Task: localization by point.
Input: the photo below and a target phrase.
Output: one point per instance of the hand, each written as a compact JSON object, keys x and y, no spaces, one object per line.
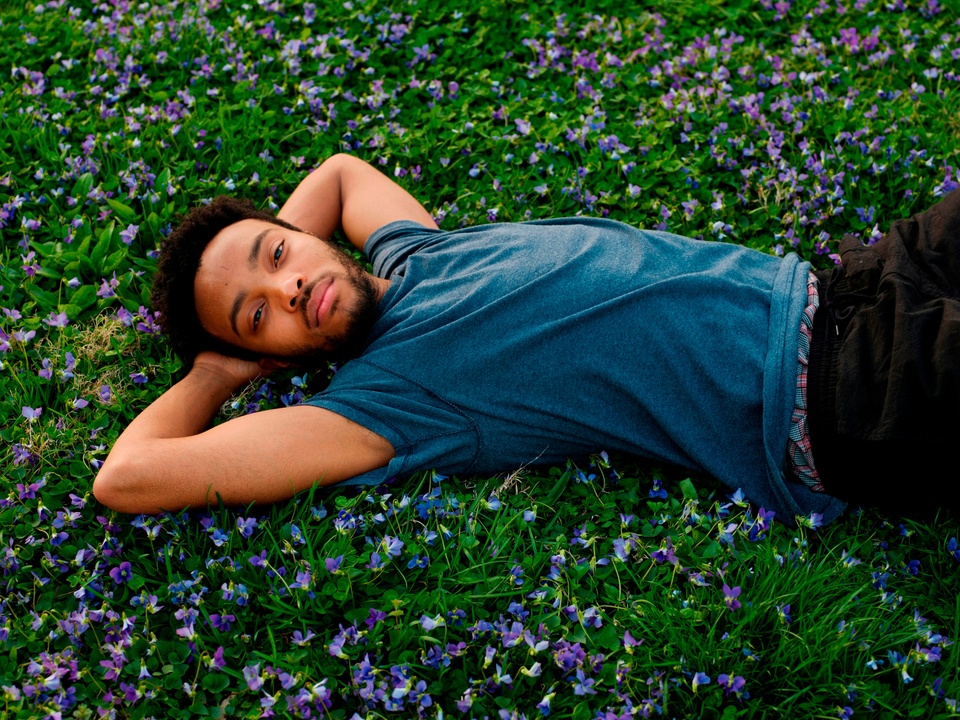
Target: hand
{"x":233,"y":372}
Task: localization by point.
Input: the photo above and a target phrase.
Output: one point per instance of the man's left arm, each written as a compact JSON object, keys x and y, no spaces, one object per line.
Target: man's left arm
{"x":348,"y":194}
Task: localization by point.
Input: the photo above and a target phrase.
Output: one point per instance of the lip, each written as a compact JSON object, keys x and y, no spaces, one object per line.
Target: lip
{"x":320,"y":303}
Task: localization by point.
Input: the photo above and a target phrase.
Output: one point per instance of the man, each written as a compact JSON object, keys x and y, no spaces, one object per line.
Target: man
{"x":488,"y":348}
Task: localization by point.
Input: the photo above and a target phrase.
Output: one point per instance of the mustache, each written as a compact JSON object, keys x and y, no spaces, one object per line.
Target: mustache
{"x":305,"y":298}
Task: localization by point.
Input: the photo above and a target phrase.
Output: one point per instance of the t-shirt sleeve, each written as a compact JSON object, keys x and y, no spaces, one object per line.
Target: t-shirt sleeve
{"x":389,"y":247}
{"x":425,"y":430}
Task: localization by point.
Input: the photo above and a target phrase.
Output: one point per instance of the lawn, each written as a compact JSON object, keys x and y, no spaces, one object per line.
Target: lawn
{"x":607,"y":587}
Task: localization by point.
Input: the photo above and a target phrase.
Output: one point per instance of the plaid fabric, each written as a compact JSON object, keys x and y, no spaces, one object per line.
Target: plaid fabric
{"x":798,"y":445}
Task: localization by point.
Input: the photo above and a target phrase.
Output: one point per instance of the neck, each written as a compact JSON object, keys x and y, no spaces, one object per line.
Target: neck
{"x":381,"y":285}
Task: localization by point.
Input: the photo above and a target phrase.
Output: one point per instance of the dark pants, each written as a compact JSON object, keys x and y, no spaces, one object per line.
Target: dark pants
{"x":884,"y":383}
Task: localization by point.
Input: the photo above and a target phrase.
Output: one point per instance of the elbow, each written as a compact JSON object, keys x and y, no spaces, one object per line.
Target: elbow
{"x":116,"y":486}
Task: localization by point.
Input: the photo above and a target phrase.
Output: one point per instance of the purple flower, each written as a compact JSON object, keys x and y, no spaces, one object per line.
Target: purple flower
{"x":130,"y":693}
{"x":621,"y":549}
{"x":57,"y":319}
{"x":333,"y":564}
{"x":222,"y":622}
{"x":246,"y":526}
{"x":393,"y":546}
{"x":129,"y":234}
{"x":665,"y":554}
{"x":429,"y":623}
{"x":30,"y":413}
{"x":583,"y":685}
{"x":303,"y":580}
{"x":253,"y":677}
{"x":122,"y":574}
{"x":375,"y":617}
{"x":730,"y":596}
{"x":732,"y":684}
{"x":300,"y":639}
{"x":139,"y":378}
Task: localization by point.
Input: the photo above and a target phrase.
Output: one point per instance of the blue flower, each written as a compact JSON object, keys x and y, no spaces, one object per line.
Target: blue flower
{"x":700,"y":679}
{"x":954,"y":549}
{"x":784,"y":612}
{"x":657,"y":490}
{"x":583,"y":684}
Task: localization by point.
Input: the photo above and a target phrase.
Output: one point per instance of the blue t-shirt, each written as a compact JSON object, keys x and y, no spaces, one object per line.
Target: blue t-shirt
{"x":505,"y":345}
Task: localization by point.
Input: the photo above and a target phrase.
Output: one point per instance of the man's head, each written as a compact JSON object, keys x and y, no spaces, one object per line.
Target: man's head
{"x":240,"y":281}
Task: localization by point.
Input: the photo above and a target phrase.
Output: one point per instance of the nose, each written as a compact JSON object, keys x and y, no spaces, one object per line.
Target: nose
{"x":290,"y":288}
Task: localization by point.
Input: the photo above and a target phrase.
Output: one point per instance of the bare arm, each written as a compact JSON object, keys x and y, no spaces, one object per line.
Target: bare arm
{"x":167,"y":459}
{"x":346,"y":193}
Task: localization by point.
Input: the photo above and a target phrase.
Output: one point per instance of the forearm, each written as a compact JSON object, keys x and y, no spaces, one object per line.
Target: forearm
{"x":186,"y":409}
{"x":346,"y":193}
{"x":315,"y":205}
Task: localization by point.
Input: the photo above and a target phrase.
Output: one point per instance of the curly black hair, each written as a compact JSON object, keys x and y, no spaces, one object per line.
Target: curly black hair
{"x":172,"y":292}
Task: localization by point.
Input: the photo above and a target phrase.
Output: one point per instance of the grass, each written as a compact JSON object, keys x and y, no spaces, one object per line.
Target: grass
{"x":596,"y":589}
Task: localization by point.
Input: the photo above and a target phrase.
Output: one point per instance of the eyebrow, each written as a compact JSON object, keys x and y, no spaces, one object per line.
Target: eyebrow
{"x":255,"y":248}
{"x":252,"y":264}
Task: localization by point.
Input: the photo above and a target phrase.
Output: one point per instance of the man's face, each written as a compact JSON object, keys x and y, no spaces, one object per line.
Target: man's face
{"x":284,"y":294}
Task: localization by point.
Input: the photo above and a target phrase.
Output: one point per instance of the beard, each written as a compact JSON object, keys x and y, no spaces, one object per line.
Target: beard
{"x":361,"y":316}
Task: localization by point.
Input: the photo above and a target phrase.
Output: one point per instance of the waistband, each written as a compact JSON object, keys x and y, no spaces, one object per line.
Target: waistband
{"x":837,"y":306}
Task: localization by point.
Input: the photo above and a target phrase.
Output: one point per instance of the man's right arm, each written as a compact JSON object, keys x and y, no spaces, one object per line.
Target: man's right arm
{"x":345,"y":193}
{"x":167,"y":459}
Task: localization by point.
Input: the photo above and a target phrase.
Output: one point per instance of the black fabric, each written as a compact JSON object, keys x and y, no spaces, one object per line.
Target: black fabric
{"x":884,"y":383}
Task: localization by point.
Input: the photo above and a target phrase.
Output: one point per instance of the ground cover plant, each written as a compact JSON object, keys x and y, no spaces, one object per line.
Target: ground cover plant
{"x":596,"y":589}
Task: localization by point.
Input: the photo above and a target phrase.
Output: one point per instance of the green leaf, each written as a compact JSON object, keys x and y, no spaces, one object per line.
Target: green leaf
{"x":82,"y":186}
{"x":102,"y":246}
{"x":84,"y":297}
{"x":115,"y":260}
{"x":45,"y":299}
{"x":215,"y":682}
{"x":124,"y":212}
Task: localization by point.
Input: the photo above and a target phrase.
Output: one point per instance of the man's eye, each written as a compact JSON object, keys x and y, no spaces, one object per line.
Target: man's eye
{"x":276,"y":254}
{"x":256,"y":317}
